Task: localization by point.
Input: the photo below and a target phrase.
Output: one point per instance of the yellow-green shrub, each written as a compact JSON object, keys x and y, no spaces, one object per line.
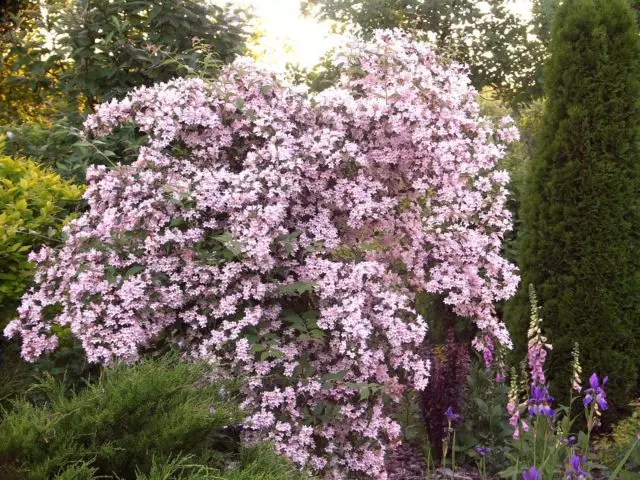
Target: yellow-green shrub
{"x":612,"y":448}
{"x":34,"y":204}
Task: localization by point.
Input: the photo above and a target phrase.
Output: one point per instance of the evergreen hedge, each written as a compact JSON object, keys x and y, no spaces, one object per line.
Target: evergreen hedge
{"x":581,"y":226}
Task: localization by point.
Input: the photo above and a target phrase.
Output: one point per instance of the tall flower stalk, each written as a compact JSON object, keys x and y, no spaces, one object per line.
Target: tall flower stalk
{"x":453,"y":419}
{"x":537,"y":346}
{"x":481,"y":462}
{"x":595,"y":402}
{"x":539,"y":404}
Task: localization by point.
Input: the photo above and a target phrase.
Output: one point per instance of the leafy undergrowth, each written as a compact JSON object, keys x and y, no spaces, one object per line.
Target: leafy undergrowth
{"x":154,"y":420}
{"x":614,"y":447}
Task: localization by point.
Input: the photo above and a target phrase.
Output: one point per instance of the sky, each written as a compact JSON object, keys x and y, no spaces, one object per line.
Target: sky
{"x":291,"y":37}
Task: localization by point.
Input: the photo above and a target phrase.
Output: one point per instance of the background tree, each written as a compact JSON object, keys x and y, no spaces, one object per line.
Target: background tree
{"x":104,"y":48}
{"x":61,"y":58}
{"x":117,"y":45}
{"x":9,"y":9}
{"x":579,"y":244}
{"x":491,"y":39}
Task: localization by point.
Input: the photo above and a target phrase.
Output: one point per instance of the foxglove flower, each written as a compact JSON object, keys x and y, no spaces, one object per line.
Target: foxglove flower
{"x":537,"y":346}
{"x":513,"y":407}
{"x":596,"y":391}
{"x":576,"y":369}
{"x":531,"y":474}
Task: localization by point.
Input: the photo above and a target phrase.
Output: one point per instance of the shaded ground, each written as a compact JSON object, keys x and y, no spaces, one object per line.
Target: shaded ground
{"x":407,"y":463}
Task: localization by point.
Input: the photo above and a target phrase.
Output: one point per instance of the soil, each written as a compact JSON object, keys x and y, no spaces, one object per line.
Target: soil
{"x":407,"y":463}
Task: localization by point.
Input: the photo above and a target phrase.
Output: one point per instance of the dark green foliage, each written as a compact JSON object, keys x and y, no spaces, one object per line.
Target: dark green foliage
{"x":542,"y":12}
{"x":9,"y":10}
{"x":64,"y":146}
{"x":636,"y":7}
{"x":55,"y":67}
{"x":485,"y":418}
{"x":580,"y":244}
{"x":67,"y":365}
{"x":129,"y":419}
{"x":623,"y":437}
{"x":117,"y":45}
{"x":89,"y":51}
{"x":493,"y":43}
{"x":260,"y":463}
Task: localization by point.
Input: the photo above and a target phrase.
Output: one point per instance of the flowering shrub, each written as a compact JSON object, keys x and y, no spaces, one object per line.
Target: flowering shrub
{"x":285,"y":236}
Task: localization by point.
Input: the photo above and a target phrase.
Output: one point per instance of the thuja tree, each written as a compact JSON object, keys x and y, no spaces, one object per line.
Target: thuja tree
{"x":580,"y":221}
{"x":284,"y":237}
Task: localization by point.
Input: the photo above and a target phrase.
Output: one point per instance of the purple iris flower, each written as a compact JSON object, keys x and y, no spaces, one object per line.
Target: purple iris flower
{"x":575,"y":471}
{"x":531,"y":474}
{"x":571,"y":440}
{"x":539,"y":401}
{"x":596,"y":391}
{"x":451,"y":416}
{"x":482,"y":451}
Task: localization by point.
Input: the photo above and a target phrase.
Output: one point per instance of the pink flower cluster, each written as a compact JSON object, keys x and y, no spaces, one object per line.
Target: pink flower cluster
{"x":251,"y":190}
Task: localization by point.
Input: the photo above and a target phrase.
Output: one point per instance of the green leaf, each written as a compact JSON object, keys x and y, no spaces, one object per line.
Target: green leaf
{"x":177,"y":222}
{"x":482,"y":405}
{"x":622,"y":462}
{"x":583,"y":440}
{"x":273,"y":353}
{"x":365,"y":393}
{"x":334,"y":376}
{"x":229,"y":242}
{"x":296,"y":288}
{"x":133,"y":271}
{"x":82,"y":143}
{"x":110,"y":274}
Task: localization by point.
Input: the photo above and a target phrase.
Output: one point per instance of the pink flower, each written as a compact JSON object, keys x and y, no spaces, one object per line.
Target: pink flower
{"x":350,"y":202}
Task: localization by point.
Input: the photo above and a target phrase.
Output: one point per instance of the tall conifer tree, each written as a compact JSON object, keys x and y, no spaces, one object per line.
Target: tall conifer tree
{"x":580,"y":243}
